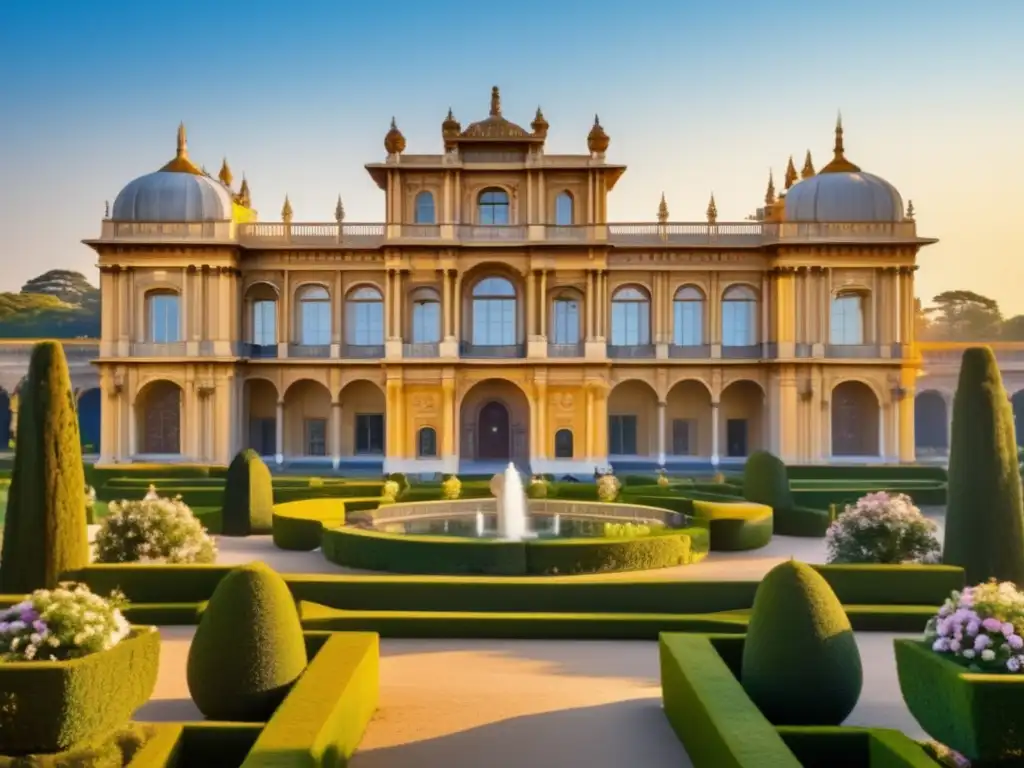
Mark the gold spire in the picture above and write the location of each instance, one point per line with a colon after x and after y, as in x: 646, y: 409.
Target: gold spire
x: 339, y: 211
x: 662, y: 210
x: 839, y: 163
x: 540, y: 124
x: 495, y: 102
x: 910, y: 209
x: 181, y: 162
x: 597, y: 139
x: 712, y: 210
x: 225, y: 174
x: 244, y: 198
x: 286, y: 211
x: 808, y: 169
x: 790, y: 173
x: 394, y: 141
x: 769, y: 195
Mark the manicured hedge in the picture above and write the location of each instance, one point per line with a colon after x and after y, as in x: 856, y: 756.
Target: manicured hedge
x: 878, y: 472
x: 98, y: 476
x: 175, y: 745
x: 838, y: 747
x: 56, y: 706
x: 924, y: 493
x: 377, y: 551
x: 736, y: 526
x: 802, y: 521
x: 298, y: 525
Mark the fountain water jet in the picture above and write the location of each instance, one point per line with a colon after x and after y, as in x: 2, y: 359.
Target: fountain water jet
x: 511, y: 502
x: 479, y: 524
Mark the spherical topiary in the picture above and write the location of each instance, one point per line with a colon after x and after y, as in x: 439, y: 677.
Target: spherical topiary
x: 765, y: 481
x: 984, y: 513
x: 248, y: 650
x: 801, y: 665
x: 248, y: 506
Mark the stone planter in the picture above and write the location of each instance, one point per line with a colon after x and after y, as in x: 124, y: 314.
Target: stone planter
x: 981, y: 716
x: 55, y: 706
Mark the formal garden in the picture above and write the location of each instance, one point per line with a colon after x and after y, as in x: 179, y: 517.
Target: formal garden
x: 759, y: 667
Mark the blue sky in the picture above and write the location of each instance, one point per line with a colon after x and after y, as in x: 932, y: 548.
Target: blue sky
x: 696, y: 97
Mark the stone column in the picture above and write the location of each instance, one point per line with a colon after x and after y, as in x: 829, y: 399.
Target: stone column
x: 279, y: 433
x: 335, y: 436
x: 714, y: 433
x: 542, y: 420
x: 543, y: 304
x: 661, y: 433
x: 448, y: 421
x: 446, y: 303
x: 284, y: 331
x: 531, y: 304
x: 133, y: 435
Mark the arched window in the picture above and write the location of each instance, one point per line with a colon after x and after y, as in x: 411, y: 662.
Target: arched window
x: 424, y: 213
x: 566, y: 319
x: 426, y: 443
x: 494, y: 312
x: 314, y: 315
x: 563, y: 444
x: 847, y: 322
x: 563, y: 210
x: 264, y: 322
x: 163, y: 317
x: 688, y: 317
x: 364, y: 318
x: 739, y: 316
x: 631, y: 317
x: 493, y: 207
x: 426, y: 316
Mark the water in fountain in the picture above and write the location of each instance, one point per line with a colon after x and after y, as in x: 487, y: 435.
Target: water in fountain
x: 479, y: 524
x: 512, y: 524
x: 557, y: 525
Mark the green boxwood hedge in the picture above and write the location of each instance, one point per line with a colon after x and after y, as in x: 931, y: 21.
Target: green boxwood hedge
x: 878, y: 472
x: 298, y: 525
x: 735, y: 526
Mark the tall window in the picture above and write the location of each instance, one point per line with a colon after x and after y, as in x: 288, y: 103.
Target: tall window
x: 425, y: 208
x: 426, y: 316
x: 164, y: 318
x: 739, y: 317
x: 492, y: 206
x: 563, y: 210
x: 622, y: 435
x: 315, y: 437
x: 264, y: 322
x: 426, y: 443
x: 314, y: 315
x: 566, y: 325
x: 494, y: 312
x: 369, y: 433
x: 847, y: 323
x: 563, y: 444
x: 364, y: 321
x: 631, y: 317
x: 688, y: 317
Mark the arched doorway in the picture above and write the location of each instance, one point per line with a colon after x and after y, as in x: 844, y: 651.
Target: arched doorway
x: 89, y: 420
x: 159, y: 418
x: 931, y: 423
x: 855, y: 420
x: 493, y: 433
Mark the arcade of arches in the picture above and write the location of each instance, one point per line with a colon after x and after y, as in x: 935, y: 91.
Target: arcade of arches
x: 87, y: 401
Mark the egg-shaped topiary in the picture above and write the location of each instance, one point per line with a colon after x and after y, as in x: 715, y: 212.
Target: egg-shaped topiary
x: 766, y: 481
x: 801, y: 665
x: 248, y: 506
x: 249, y: 649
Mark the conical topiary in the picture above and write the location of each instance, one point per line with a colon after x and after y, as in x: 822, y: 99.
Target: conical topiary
x: 984, y: 514
x: 248, y: 506
x: 45, y: 531
x: 248, y: 650
x: 801, y: 665
x: 766, y: 481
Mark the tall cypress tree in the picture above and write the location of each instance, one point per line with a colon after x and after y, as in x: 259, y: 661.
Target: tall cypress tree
x: 984, y: 511
x: 45, y: 533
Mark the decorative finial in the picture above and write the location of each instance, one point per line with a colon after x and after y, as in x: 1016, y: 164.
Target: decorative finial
x: 394, y: 141
x: 182, y: 141
x: 597, y: 139
x: 839, y: 163
x: 225, y: 174
x: 910, y: 209
x: 808, y: 169
x: 662, y: 210
x: 244, y: 198
x: 712, y: 210
x: 106, y: 209
x: 339, y: 211
x: 769, y: 195
x: 495, y: 102
x: 286, y: 211
x: 539, y: 124
x: 790, y: 173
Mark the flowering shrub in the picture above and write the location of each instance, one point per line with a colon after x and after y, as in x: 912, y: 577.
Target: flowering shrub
x: 159, y: 531
x: 608, y: 488
x: 90, y: 504
x: 451, y: 488
x: 390, y: 490
x: 881, y: 528
x: 982, y: 627
x: 538, y: 488
x: 59, y: 624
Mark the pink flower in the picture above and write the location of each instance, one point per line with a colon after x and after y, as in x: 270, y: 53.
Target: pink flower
x: 992, y: 625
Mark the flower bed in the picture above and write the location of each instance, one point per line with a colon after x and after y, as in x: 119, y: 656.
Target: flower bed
x: 882, y: 528
x: 154, y: 530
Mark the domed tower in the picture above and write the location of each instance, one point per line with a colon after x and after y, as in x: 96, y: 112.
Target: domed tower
x: 179, y: 192
x: 450, y: 130
x: 842, y: 192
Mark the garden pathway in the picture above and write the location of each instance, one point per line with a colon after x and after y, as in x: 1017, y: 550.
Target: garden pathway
x: 505, y: 703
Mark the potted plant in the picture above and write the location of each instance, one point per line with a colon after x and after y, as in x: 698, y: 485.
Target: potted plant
x: 72, y: 670
x: 964, y: 681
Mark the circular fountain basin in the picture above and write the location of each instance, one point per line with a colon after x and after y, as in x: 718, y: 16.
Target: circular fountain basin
x: 562, y: 538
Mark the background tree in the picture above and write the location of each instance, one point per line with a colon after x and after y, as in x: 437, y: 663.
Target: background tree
x: 70, y: 287
x: 1012, y: 329
x: 963, y: 316
x: 58, y: 304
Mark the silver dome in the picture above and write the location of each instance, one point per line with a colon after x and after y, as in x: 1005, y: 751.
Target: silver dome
x: 844, y: 196
x: 172, y: 196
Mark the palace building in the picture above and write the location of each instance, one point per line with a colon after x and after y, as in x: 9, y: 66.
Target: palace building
x: 497, y: 315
